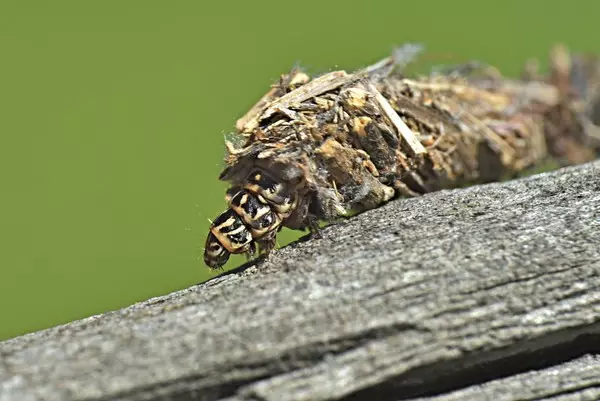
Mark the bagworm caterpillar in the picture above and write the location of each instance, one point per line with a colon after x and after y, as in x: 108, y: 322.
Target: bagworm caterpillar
x: 315, y: 149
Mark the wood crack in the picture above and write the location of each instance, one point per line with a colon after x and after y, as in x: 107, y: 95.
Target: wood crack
x: 436, y: 380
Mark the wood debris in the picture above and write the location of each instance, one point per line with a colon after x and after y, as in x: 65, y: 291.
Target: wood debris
x: 315, y: 149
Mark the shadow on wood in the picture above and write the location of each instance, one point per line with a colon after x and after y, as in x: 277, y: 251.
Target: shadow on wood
x: 455, y: 295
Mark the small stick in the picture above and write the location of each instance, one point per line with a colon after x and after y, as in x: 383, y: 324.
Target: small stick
x: 409, y: 137
x: 314, y: 88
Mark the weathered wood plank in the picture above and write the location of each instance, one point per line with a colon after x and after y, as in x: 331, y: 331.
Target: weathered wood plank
x: 417, y: 298
x: 574, y: 380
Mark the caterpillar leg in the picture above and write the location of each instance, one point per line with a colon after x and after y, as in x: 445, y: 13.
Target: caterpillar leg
x: 268, y: 242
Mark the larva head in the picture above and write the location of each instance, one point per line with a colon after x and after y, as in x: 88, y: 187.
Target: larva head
x: 215, y: 254
x: 228, y: 235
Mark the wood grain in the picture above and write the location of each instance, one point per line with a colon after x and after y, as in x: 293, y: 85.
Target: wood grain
x: 427, y: 297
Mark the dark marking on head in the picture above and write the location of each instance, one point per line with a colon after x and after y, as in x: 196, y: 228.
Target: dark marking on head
x: 215, y: 255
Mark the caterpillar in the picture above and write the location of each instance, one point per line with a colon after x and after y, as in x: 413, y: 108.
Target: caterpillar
x: 318, y: 149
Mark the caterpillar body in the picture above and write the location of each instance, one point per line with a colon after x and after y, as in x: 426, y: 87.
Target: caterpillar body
x: 316, y: 149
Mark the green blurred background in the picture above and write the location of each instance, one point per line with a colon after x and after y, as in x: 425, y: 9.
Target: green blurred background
x: 112, y: 118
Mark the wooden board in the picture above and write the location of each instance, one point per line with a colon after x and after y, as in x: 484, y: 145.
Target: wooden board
x: 419, y: 298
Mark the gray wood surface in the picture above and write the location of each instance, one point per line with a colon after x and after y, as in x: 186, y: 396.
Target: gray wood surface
x: 426, y: 297
x: 574, y: 380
